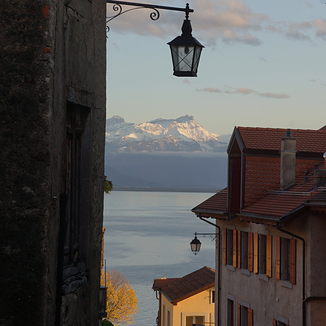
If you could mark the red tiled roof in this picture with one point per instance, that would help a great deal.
(270, 139)
(217, 203)
(178, 289)
(280, 203)
(262, 174)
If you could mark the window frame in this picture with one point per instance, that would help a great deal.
(231, 322)
(286, 260)
(228, 252)
(244, 314)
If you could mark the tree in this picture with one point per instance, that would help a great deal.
(121, 302)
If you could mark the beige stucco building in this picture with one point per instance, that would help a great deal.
(188, 300)
(271, 253)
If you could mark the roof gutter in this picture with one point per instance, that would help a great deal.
(218, 269)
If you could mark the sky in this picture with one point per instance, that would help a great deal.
(263, 65)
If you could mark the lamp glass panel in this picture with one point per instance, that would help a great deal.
(183, 58)
(195, 247)
(196, 58)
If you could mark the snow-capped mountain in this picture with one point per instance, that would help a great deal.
(169, 135)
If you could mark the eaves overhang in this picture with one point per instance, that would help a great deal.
(193, 293)
(256, 218)
(316, 206)
(211, 213)
(272, 220)
(168, 298)
(294, 213)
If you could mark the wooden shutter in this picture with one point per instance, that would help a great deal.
(274, 322)
(250, 317)
(292, 260)
(256, 241)
(239, 249)
(238, 315)
(250, 252)
(234, 249)
(269, 242)
(278, 258)
(224, 246)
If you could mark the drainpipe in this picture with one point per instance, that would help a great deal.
(218, 268)
(303, 271)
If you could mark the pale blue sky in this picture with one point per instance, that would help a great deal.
(263, 65)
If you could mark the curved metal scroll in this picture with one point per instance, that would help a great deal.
(154, 15)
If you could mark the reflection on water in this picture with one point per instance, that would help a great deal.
(147, 236)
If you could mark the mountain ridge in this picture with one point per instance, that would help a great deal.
(183, 134)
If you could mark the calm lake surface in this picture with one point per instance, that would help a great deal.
(148, 235)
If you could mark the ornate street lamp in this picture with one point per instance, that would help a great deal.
(185, 49)
(195, 245)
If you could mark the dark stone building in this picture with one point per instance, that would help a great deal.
(52, 114)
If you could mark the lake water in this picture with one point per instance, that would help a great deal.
(148, 235)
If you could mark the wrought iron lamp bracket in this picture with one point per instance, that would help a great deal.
(154, 15)
(212, 235)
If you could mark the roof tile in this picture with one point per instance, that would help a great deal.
(178, 289)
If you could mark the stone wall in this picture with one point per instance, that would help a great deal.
(51, 54)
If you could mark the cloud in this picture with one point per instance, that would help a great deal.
(300, 31)
(244, 91)
(212, 90)
(273, 95)
(320, 26)
(317, 81)
(231, 21)
(241, 90)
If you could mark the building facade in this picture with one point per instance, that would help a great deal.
(53, 98)
(271, 221)
(186, 301)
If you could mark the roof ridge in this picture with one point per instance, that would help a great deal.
(321, 130)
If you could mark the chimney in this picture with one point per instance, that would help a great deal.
(320, 174)
(288, 153)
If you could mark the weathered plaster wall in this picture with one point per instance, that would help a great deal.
(316, 281)
(197, 305)
(266, 296)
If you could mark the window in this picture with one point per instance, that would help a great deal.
(269, 245)
(286, 259)
(168, 318)
(282, 322)
(228, 246)
(264, 263)
(244, 315)
(262, 254)
(250, 252)
(230, 312)
(244, 250)
(163, 319)
(212, 297)
(195, 321)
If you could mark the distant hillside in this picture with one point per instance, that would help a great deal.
(143, 170)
